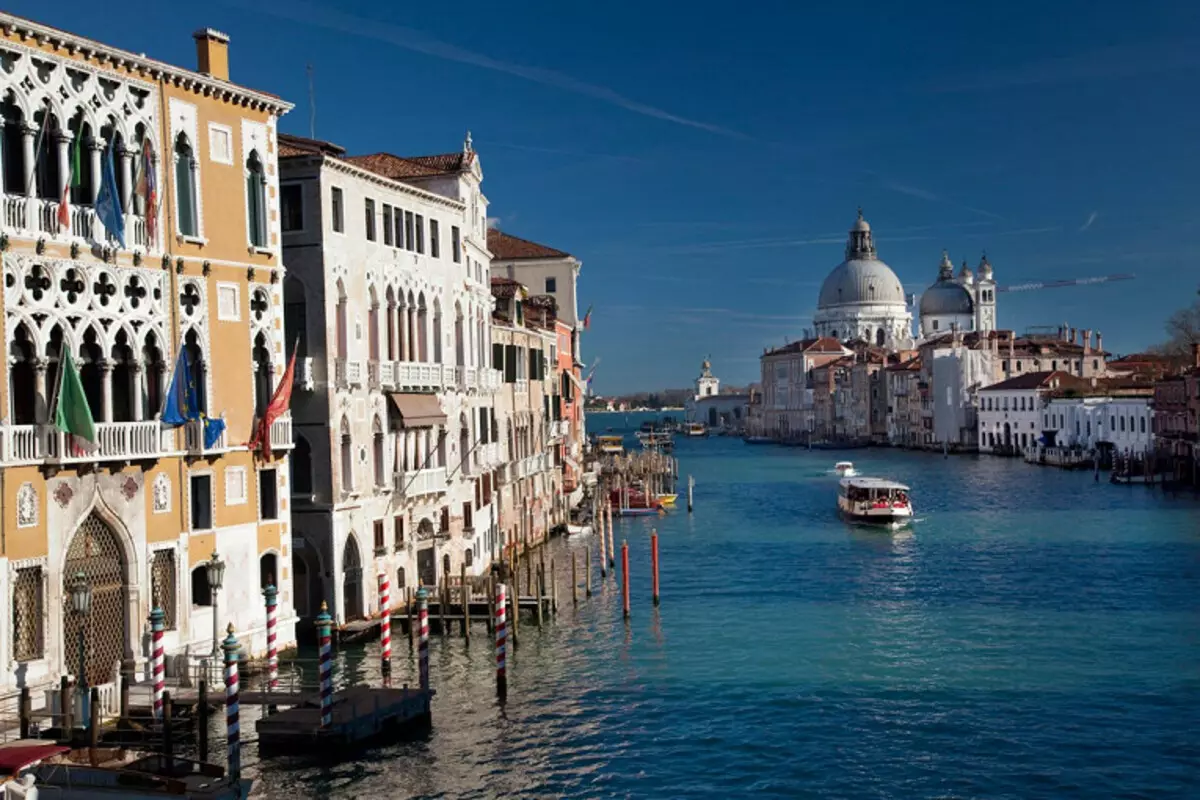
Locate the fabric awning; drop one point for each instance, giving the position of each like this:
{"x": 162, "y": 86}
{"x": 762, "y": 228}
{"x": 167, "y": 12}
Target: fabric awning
{"x": 418, "y": 410}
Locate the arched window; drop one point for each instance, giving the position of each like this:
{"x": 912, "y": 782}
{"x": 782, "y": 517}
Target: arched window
{"x": 459, "y": 345}
{"x": 378, "y": 445}
{"x": 125, "y": 375}
{"x": 347, "y": 458}
{"x": 198, "y": 367}
{"x": 464, "y": 445}
{"x": 1143, "y": 426}
{"x": 373, "y": 325}
{"x": 186, "y": 197}
{"x": 422, "y": 328}
{"x": 268, "y": 571}
{"x": 49, "y": 182}
{"x": 879, "y": 337}
{"x": 149, "y": 381}
{"x": 91, "y": 372}
{"x": 391, "y": 325}
{"x": 437, "y": 331}
{"x": 342, "y": 332}
{"x": 202, "y": 594}
{"x": 82, "y": 192}
{"x": 22, "y": 385}
{"x": 260, "y": 358}
{"x": 301, "y": 466}
{"x": 256, "y": 200}
{"x": 12, "y": 146}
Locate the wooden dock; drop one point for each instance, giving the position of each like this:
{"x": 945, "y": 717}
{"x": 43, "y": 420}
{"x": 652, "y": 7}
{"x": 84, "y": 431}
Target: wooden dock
{"x": 361, "y": 715}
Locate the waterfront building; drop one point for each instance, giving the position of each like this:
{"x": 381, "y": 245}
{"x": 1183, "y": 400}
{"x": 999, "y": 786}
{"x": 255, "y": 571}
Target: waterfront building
{"x": 954, "y": 371}
{"x": 787, "y": 385}
{"x": 1176, "y": 411}
{"x": 965, "y": 303}
{"x": 709, "y": 406}
{"x": 1010, "y": 412}
{"x": 389, "y": 307}
{"x": 1101, "y": 417}
{"x": 530, "y": 484}
{"x": 567, "y": 425}
{"x": 553, "y": 272}
{"x": 862, "y": 299}
{"x": 904, "y": 385}
{"x": 140, "y": 219}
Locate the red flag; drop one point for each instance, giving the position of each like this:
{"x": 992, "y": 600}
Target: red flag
{"x": 281, "y": 401}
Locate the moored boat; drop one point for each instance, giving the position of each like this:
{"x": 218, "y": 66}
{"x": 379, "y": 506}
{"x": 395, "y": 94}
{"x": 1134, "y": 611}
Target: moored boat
{"x": 613, "y": 445}
{"x": 875, "y": 500}
{"x": 697, "y": 429}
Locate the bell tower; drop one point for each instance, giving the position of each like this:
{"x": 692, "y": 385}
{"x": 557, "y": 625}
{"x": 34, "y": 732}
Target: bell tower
{"x": 985, "y": 297}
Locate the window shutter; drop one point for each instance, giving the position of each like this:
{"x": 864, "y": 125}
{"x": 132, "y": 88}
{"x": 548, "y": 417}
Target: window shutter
{"x": 497, "y": 356}
{"x": 510, "y": 363}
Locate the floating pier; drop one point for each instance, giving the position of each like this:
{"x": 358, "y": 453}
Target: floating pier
{"x": 359, "y": 715}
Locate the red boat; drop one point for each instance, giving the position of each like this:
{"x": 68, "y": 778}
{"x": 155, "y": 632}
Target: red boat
{"x": 633, "y": 499}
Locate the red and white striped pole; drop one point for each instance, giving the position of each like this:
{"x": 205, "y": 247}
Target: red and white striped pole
{"x": 501, "y": 640}
{"x": 612, "y": 551}
{"x": 271, "y": 595}
{"x": 325, "y": 639}
{"x": 423, "y": 634}
{"x": 385, "y": 627}
{"x": 158, "y": 658}
{"x": 233, "y": 729}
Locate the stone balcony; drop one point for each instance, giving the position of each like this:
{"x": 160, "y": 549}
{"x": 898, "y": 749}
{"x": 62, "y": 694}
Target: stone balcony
{"x": 347, "y": 373}
{"x": 418, "y": 483}
{"x": 37, "y": 217}
{"x": 305, "y": 379}
{"x": 115, "y": 441}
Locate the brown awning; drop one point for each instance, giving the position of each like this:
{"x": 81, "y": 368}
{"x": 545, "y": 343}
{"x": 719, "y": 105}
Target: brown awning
{"x": 418, "y": 410}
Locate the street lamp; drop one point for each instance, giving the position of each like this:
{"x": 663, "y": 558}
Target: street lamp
{"x": 81, "y": 603}
{"x": 216, "y": 576}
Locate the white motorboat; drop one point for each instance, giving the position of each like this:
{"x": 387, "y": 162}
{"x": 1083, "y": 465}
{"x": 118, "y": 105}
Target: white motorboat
{"x": 875, "y": 500}
{"x": 845, "y": 469}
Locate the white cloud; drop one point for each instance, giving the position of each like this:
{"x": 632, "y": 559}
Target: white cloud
{"x": 1091, "y": 218}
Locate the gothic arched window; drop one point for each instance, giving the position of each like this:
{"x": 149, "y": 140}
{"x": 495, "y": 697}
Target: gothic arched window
{"x": 186, "y": 197}
{"x": 256, "y": 200}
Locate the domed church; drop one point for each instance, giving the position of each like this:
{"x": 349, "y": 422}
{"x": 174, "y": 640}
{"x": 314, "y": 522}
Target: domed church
{"x": 965, "y": 303}
{"x": 862, "y": 298}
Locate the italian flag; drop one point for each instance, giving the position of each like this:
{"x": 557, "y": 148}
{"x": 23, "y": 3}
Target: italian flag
{"x": 64, "y": 204}
{"x": 72, "y": 415}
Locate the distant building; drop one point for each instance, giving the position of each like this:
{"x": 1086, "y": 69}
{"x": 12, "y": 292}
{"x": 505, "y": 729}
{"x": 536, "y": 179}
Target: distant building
{"x": 963, "y": 304}
{"x": 710, "y": 407}
{"x": 1010, "y": 412}
{"x": 787, "y": 385}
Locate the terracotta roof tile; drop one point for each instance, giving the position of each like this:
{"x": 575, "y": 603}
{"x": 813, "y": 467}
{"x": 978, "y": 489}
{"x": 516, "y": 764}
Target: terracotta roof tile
{"x": 394, "y": 167}
{"x": 507, "y": 247}
{"x": 1036, "y": 380}
{"x": 445, "y": 162}
{"x": 290, "y": 145}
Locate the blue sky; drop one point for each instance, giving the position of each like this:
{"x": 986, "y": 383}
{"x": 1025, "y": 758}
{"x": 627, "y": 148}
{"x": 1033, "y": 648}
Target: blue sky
{"x": 704, "y": 160}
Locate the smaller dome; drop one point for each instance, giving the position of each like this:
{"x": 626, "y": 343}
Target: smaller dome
{"x": 946, "y": 296}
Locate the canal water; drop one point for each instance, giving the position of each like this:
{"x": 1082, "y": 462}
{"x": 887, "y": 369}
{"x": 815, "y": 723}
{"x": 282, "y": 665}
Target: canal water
{"x": 1035, "y": 635}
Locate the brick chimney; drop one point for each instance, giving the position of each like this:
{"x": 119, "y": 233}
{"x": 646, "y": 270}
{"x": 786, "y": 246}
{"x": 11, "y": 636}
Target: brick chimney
{"x": 1073, "y": 338}
{"x": 212, "y": 53}
{"x": 1099, "y": 342}
{"x": 1087, "y": 341}
{"x": 1196, "y": 354}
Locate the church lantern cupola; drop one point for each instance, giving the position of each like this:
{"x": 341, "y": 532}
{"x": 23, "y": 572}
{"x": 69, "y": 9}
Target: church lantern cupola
{"x": 860, "y": 244}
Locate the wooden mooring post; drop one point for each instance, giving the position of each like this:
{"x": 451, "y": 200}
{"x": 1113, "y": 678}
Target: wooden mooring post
{"x": 691, "y": 485}
{"x": 587, "y": 571}
{"x": 574, "y": 579}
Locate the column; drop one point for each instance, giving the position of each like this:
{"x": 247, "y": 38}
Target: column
{"x": 127, "y": 179}
{"x": 40, "y": 399}
{"x": 62, "y": 141}
{"x": 106, "y": 372}
{"x": 28, "y": 135}
{"x": 412, "y": 334}
{"x": 137, "y": 377}
{"x": 95, "y": 146}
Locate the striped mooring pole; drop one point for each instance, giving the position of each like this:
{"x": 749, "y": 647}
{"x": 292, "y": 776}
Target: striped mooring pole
{"x": 654, "y": 564}
{"x": 158, "y": 656}
{"x": 385, "y": 627}
{"x": 233, "y": 729}
{"x": 325, "y": 639}
{"x": 423, "y": 636}
{"x": 625, "y": 577}
{"x": 501, "y": 628}
{"x": 271, "y": 596}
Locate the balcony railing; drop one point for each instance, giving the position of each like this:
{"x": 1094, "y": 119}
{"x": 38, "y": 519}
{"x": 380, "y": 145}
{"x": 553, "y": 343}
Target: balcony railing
{"x": 347, "y": 373}
{"x": 115, "y": 441}
{"x": 416, "y": 483}
{"x": 489, "y": 455}
{"x": 387, "y": 374}
{"x": 193, "y": 437}
{"x": 305, "y": 377}
{"x": 281, "y": 433}
{"x": 373, "y": 375}
{"x": 35, "y": 216}
{"x": 466, "y": 378}
{"x": 420, "y": 376}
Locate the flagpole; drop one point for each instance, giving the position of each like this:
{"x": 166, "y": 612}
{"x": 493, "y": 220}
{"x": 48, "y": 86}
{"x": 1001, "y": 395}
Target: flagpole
{"x": 37, "y": 147}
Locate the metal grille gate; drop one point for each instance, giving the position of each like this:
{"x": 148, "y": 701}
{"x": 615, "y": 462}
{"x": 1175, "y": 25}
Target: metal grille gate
{"x": 162, "y": 585}
{"x": 96, "y": 552}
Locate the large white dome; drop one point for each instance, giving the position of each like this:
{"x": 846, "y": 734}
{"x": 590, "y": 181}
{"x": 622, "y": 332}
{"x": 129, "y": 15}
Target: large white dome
{"x": 862, "y": 279}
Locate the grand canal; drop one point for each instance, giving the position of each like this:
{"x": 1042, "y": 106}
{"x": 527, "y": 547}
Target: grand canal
{"x": 1035, "y": 635}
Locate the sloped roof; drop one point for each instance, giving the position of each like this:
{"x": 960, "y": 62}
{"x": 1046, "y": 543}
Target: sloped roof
{"x": 290, "y": 145}
{"x": 394, "y": 167}
{"x": 1036, "y": 380}
{"x": 911, "y": 365}
{"x": 821, "y": 344}
{"x": 445, "y": 162}
{"x": 507, "y": 247}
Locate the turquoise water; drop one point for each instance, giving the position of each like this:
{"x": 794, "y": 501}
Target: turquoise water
{"x": 1035, "y": 635}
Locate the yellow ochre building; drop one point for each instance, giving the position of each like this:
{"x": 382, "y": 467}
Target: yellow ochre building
{"x": 185, "y": 162}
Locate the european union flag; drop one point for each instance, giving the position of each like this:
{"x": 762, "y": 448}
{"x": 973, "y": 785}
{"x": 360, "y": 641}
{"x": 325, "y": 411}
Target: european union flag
{"x": 183, "y": 396}
{"x": 108, "y": 204}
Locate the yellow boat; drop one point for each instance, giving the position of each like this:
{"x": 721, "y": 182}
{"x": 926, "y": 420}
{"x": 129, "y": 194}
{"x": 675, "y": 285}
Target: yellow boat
{"x": 668, "y": 499}
{"x": 611, "y": 444}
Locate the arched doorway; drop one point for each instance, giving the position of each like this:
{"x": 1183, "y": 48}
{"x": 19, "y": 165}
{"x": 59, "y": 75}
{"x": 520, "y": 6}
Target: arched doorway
{"x": 301, "y": 580}
{"x": 1007, "y": 435}
{"x": 426, "y": 559}
{"x": 712, "y": 417}
{"x": 352, "y": 584}
{"x": 96, "y": 552}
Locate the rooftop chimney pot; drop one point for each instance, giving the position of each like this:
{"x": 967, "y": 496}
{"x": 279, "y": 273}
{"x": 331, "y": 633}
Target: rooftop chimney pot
{"x": 212, "y": 53}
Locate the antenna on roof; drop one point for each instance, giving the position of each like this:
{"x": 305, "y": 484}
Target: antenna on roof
{"x": 312, "y": 103}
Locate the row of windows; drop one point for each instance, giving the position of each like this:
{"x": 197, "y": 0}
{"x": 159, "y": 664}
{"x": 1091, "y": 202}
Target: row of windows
{"x": 200, "y": 496}
{"x": 1115, "y": 423}
{"x": 519, "y": 363}
{"x": 404, "y": 230}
